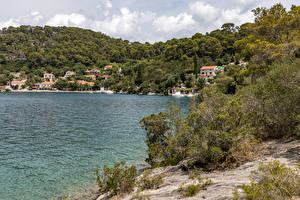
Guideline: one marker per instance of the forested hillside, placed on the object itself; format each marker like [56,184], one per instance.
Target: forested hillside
[247,105]
[152,67]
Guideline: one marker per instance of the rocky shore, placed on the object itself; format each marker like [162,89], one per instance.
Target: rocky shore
[287,152]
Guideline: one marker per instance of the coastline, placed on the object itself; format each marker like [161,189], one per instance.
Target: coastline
[91,92]
[224,181]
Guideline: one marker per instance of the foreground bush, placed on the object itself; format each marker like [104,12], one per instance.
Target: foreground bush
[193,189]
[273,103]
[273,181]
[118,180]
[149,182]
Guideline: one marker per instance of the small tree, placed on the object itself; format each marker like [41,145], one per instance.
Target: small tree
[196,65]
[118,180]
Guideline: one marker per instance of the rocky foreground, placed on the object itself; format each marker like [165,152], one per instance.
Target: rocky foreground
[224,182]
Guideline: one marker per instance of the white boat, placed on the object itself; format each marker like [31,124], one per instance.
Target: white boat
[190,95]
[109,92]
[177,94]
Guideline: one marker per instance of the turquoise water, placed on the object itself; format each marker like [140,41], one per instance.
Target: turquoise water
[50,143]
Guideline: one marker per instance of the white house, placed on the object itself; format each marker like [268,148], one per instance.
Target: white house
[49,76]
[92,71]
[16,74]
[70,73]
[108,67]
[17,84]
[208,71]
[46,85]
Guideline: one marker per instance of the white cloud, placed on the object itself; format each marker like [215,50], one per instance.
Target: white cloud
[134,20]
[235,15]
[33,19]
[8,23]
[204,10]
[108,4]
[35,13]
[173,24]
[74,19]
[215,17]
[125,24]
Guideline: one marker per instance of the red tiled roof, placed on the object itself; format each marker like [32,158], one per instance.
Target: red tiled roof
[105,76]
[90,83]
[17,82]
[85,82]
[47,83]
[208,67]
[92,76]
[108,66]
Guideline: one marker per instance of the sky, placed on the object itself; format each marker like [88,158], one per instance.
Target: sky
[134,20]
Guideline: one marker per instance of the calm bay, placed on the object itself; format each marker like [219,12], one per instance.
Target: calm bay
[50,143]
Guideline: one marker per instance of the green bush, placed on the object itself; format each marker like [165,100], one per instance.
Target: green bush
[147,182]
[273,181]
[117,180]
[273,103]
[191,190]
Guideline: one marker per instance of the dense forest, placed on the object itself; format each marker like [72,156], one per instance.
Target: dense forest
[153,67]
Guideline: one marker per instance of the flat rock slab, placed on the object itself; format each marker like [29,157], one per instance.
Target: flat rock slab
[223,181]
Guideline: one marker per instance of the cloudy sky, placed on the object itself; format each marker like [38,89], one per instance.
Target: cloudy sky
[134,20]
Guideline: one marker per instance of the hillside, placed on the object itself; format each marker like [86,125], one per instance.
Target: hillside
[227,125]
[152,67]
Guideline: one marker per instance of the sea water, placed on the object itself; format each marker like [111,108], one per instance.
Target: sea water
[50,143]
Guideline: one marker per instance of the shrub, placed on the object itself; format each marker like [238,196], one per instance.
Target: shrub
[117,180]
[191,190]
[273,181]
[147,182]
[273,103]
[236,195]
[161,129]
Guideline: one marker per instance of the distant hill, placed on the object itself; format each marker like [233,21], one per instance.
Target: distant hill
[159,66]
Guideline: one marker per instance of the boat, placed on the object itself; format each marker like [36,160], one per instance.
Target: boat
[190,95]
[109,92]
[178,94]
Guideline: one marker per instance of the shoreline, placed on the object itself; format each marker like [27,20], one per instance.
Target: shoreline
[91,92]
[224,181]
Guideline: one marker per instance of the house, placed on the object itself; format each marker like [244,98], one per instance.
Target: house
[49,76]
[94,77]
[208,71]
[36,86]
[69,74]
[108,67]
[92,71]
[86,83]
[46,85]
[16,74]
[105,77]
[17,84]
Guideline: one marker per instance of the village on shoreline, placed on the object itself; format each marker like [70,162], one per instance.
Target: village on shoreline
[88,83]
